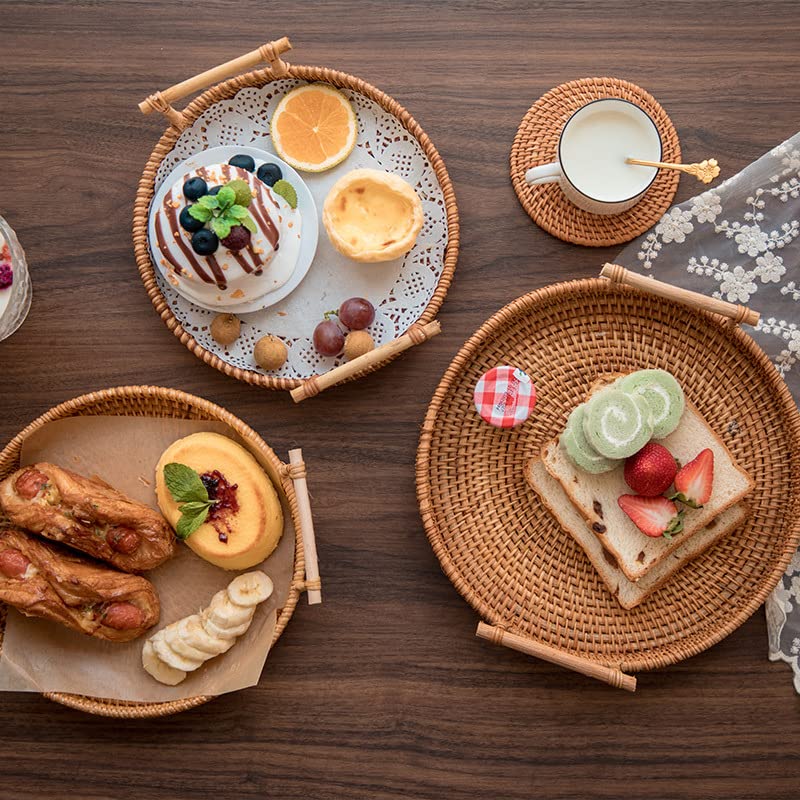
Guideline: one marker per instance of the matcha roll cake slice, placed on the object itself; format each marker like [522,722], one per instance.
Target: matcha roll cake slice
[580,452]
[663,394]
[617,424]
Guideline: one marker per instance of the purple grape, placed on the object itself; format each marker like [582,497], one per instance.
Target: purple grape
[356,313]
[328,338]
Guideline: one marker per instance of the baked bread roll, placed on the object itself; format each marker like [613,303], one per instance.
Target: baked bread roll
[87,514]
[44,580]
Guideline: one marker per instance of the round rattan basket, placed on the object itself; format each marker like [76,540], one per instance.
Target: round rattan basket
[507,555]
[225,90]
[153,401]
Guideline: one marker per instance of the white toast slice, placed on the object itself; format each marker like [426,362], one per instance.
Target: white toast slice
[629,593]
[595,496]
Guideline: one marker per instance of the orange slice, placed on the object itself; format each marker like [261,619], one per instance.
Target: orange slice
[314,127]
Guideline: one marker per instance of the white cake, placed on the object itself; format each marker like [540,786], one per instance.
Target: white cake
[228,278]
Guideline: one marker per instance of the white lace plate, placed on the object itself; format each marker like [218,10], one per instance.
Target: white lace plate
[400,289]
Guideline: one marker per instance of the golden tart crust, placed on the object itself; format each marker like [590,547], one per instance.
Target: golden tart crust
[372,215]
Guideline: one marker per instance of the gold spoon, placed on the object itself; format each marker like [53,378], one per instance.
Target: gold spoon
[705,171]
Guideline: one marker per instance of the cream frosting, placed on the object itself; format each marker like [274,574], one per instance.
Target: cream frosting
[228,278]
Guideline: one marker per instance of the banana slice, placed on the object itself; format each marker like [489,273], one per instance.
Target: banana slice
[214,630]
[176,641]
[170,657]
[193,633]
[250,589]
[162,672]
[226,614]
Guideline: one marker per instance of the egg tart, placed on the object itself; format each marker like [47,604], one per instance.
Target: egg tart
[372,216]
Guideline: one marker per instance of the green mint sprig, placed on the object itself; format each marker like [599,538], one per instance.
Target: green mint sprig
[222,212]
[187,489]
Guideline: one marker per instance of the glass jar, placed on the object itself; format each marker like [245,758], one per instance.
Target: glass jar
[15,298]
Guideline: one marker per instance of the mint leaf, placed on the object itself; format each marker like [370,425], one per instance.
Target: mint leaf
[184,484]
[195,507]
[209,201]
[200,212]
[189,523]
[226,197]
[221,227]
[249,224]
[238,212]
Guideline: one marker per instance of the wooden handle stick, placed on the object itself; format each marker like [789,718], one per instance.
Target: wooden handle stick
[739,314]
[297,472]
[591,669]
[416,334]
[162,101]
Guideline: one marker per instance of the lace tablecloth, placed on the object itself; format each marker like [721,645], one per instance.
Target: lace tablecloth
[740,241]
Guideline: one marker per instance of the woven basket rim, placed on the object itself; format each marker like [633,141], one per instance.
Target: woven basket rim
[640,661]
[142,394]
[226,90]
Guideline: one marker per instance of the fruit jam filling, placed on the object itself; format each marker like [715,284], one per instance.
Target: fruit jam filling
[223,494]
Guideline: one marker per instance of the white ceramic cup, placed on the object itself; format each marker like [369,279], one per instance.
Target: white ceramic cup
[592,148]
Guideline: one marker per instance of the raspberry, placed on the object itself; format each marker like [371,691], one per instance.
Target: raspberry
[237,239]
[6,276]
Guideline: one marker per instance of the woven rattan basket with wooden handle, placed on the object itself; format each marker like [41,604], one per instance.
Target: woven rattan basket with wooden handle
[425,326]
[289,480]
[504,551]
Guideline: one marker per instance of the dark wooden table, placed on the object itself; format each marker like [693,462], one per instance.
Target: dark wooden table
[383,691]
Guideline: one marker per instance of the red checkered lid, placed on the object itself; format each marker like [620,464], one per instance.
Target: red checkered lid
[505,396]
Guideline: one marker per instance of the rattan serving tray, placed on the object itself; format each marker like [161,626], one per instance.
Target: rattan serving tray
[153,401]
[419,330]
[503,550]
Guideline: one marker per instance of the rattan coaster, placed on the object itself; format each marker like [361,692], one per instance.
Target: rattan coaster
[536,143]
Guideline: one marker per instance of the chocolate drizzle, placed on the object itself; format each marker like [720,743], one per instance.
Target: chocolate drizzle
[172,218]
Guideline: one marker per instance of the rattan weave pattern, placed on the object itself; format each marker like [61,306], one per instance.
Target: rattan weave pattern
[502,549]
[226,90]
[536,143]
[154,401]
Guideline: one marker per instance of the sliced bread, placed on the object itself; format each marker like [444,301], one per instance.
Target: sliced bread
[629,593]
[595,496]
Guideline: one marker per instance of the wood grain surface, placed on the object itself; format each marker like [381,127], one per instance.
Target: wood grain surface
[383,691]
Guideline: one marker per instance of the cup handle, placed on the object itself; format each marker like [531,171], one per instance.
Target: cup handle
[546,173]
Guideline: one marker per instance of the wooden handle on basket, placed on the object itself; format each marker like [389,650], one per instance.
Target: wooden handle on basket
[296,470]
[416,334]
[162,101]
[614,677]
[739,314]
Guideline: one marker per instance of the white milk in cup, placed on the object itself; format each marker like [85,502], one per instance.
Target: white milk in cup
[592,151]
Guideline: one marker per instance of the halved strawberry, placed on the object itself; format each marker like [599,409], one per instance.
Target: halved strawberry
[653,516]
[694,482]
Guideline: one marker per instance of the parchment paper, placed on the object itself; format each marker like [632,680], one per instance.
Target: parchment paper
[42,656]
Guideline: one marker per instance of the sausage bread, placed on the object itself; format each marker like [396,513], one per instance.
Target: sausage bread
[87,514]
[44,580]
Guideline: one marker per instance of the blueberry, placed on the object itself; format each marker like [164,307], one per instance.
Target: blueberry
[194,188]
[188,222]
[243,162]
[214,190]
[205,242]
[269,174]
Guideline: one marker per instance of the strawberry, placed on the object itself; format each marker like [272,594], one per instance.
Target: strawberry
[653,516]
[650,472]
[694,482]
